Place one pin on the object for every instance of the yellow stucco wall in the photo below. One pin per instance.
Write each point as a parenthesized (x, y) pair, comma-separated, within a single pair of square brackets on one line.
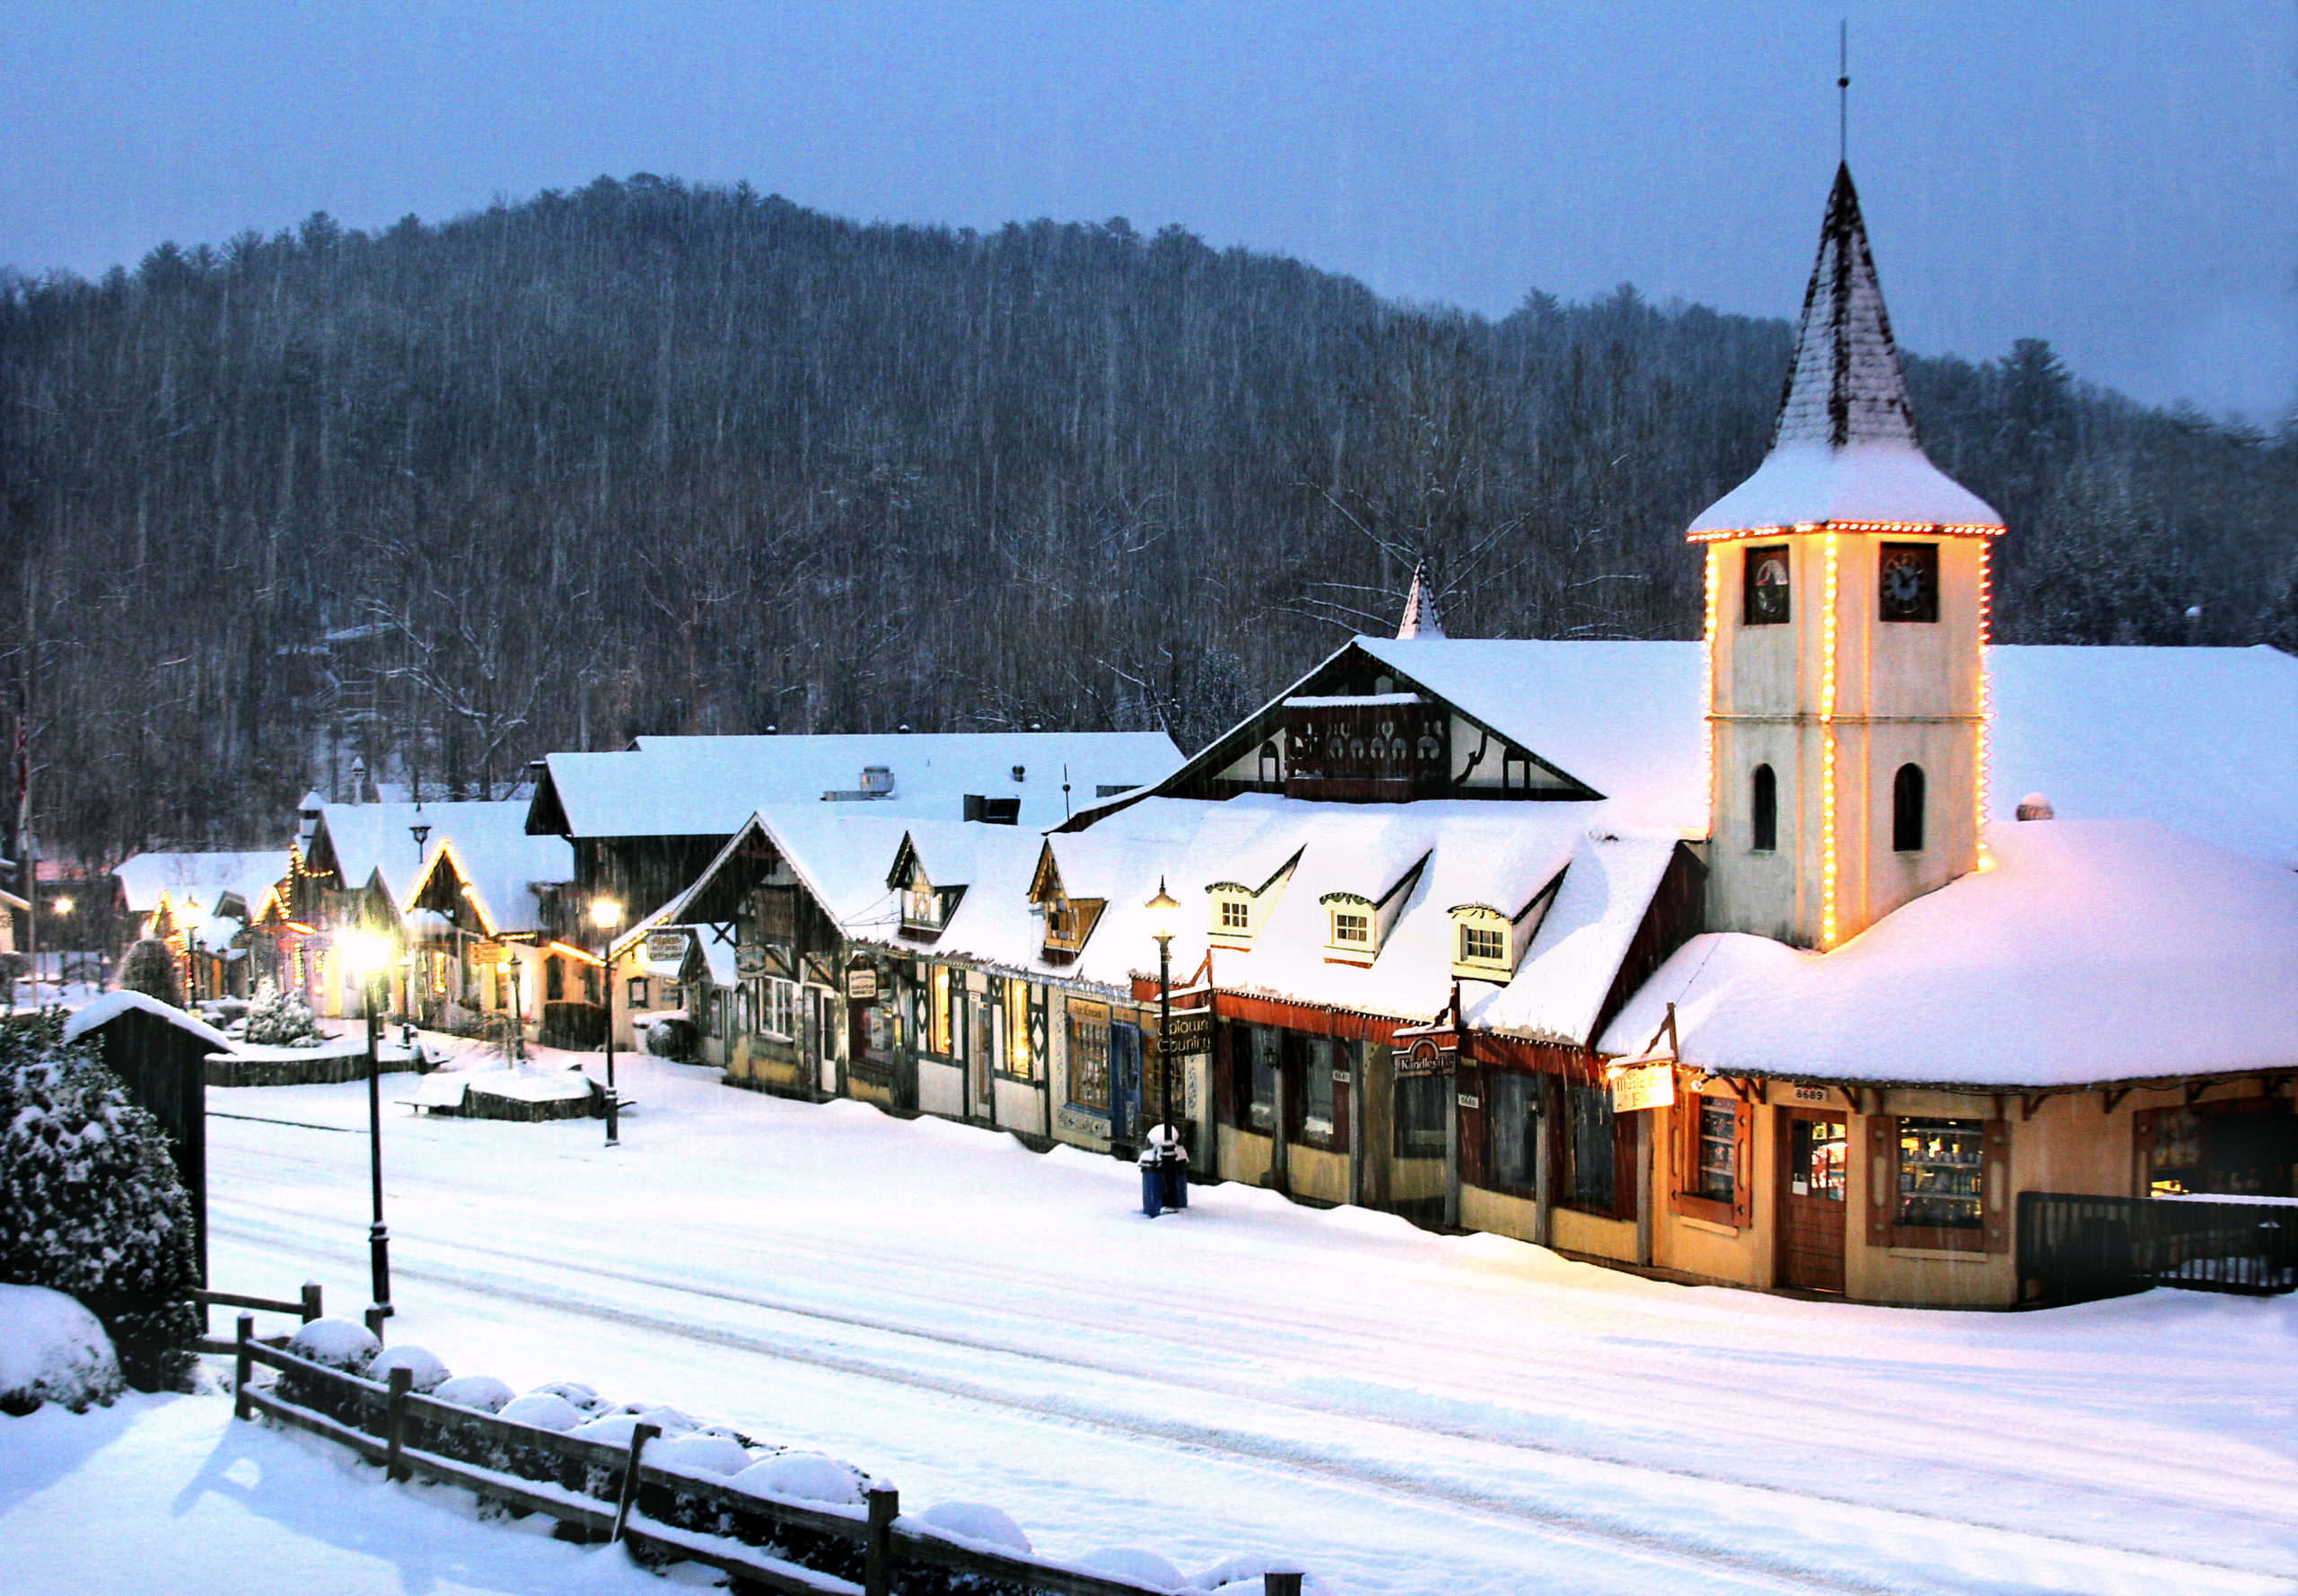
[(1244, 1156), (1316, 1173)]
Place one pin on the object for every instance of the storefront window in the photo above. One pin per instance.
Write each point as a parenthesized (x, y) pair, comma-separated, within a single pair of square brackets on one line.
[(1511, 1117), (1421, 1101), (1316, 1097), (1940, 1173), (1719, 1149), (1018, 1059), (1268, 1058), (1089, 1061), (938, 1014)]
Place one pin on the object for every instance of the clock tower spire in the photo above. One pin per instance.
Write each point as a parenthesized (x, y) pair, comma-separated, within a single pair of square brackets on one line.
[(1846, 636)]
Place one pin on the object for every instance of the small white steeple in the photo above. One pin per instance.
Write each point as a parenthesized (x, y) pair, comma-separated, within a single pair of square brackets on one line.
[(1420, 607)]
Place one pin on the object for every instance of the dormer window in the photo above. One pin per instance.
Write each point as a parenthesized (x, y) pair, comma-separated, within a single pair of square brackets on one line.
[(1483, 944), (1352, 928), (1236, 915), (921, 907)]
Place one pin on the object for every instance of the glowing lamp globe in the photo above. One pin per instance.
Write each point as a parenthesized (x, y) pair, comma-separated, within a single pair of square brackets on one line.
[(1164, 914), (605, 914), (63, 906), (365, 953)]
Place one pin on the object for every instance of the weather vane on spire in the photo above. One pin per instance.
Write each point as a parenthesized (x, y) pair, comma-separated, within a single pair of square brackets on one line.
[(1843, 91)]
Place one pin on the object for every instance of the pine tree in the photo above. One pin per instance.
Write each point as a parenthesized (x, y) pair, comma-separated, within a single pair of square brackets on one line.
[(90, 1201), (277, 1019), (150, 968)]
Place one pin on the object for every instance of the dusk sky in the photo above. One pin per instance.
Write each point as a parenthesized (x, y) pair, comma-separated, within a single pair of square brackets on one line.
[(2116, 177)]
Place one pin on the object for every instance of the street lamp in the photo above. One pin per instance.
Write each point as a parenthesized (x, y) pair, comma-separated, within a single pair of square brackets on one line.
[(367, 954), (1164, 923), (62, 907), (605, 914)]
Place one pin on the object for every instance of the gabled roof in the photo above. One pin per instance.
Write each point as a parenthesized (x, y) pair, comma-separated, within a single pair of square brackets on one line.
[(199, 878), (365, 843), (1420, 618), (708, 787), (489, 850), (1845, 448), (2093, 951)]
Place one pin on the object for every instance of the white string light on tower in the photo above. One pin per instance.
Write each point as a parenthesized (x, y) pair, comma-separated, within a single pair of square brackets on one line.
[(1827, 753)]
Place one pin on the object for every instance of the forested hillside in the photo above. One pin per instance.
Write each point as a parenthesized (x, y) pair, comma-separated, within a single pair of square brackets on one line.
[(652, 458)]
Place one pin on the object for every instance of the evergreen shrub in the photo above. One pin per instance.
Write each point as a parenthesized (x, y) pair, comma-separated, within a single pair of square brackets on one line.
[(90, 1201)]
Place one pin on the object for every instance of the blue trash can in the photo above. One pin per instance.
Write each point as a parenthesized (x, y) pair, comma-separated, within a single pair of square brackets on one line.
[(1153, 1182)]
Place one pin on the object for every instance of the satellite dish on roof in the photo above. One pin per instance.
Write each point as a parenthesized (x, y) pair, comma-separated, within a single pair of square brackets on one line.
[(2034, 806)]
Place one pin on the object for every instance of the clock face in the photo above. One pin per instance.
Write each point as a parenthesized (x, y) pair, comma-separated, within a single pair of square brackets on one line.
[(1909, 581), (1766, 600)]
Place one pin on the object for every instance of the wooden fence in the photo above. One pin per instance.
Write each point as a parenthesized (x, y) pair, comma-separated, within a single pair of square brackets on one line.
[(606, 1493)]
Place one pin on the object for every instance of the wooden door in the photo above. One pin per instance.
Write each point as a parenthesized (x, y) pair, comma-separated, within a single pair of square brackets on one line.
[(1812, 1168), (1125, 1081)]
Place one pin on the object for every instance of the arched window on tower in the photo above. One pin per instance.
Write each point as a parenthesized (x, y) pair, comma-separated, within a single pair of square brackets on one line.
[(1763, 810), (1907, 809)]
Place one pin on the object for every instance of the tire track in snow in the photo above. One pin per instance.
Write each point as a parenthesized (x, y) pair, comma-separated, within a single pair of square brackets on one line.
[(1584, 1529)]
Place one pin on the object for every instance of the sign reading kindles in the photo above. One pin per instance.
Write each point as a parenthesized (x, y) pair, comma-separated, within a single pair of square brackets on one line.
[(1643, 1085), (665, 947), (1424, 1058)]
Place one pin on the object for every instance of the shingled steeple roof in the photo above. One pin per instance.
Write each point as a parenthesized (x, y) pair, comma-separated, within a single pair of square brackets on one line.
[(1846, 448), (1420, 618), (1845, 386)]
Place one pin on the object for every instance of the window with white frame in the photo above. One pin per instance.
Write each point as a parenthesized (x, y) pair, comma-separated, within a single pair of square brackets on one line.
[(777, 1014), (1352, 928), (1236, 915), (1483, 944)]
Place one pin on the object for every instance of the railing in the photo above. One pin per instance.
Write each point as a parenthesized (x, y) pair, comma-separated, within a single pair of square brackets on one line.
[(608, 1493), (306, 1306), (2076, 1248)]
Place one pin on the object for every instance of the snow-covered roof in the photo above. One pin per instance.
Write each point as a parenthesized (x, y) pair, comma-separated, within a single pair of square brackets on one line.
[(708, 787), (1558, 991), (490, 847), (2093, 951), (1444, 853), (1846, 448), (1623, 717), (490, 839), (2204, 741), (103, 1010), (199, 878)]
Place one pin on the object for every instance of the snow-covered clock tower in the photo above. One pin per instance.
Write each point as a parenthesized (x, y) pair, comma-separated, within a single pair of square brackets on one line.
[(1846, 637)]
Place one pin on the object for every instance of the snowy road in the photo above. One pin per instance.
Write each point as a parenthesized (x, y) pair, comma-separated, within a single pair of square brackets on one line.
[(1398, 1411)]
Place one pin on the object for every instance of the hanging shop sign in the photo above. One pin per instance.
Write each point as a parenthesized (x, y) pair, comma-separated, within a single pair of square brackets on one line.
[(665, 947), (1426, 1058), (1642, 1084), (750, 962), (861, 981), (1192, 1032)]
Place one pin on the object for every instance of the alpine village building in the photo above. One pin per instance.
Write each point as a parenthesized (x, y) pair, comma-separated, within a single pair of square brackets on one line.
[(1730, 961)]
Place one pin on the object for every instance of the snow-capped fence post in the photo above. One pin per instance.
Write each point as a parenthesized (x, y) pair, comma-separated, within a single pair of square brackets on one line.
[(1273, 1583), (640, 1434), (244, 1369), (312, 1308), (878, 1551), (402, 1382)]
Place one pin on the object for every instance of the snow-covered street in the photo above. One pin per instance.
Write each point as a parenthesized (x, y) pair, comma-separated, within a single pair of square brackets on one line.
[(1399, 1411)]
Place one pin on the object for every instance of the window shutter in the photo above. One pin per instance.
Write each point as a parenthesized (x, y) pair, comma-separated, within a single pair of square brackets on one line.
[(1743, 1186), (1882, 1174), (1468, 1081), (1994, 1186)]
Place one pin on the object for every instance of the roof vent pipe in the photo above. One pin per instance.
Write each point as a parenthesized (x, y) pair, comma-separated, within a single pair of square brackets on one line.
[(2034, 806)]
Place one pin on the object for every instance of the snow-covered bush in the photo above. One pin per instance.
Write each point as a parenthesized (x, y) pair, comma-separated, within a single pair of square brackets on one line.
[(1136, 1564), (698, 1454), (426, 1371), (342, 1344), (90, 1201), (52, 1350), (277, 1019), (671, 1036), (545, 1410), (804, 1477), (482, 1394), (978, 1521), (149, 967)]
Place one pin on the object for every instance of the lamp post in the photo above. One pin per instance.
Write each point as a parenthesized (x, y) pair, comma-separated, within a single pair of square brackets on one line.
[(62, 909), (1164, 921), (605, 914), (368, 954)]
